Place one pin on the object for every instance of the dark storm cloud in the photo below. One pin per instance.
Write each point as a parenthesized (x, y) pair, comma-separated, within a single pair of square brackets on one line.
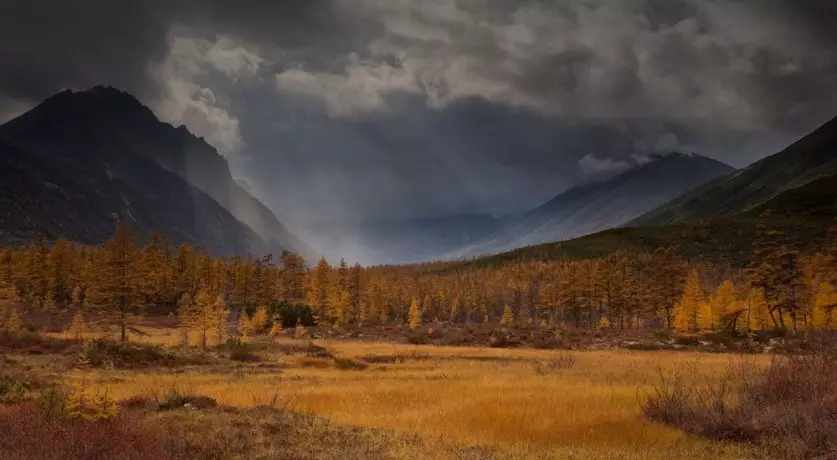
[(426, 107), (46, 45)]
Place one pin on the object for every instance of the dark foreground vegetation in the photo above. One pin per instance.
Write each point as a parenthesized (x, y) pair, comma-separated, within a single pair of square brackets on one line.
[(790, 407)]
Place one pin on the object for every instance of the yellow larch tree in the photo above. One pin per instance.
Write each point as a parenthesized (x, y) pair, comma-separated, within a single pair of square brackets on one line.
[(723, 304), (116, 292), (77, 326), (415, 315), (259, 319), (603, 323), (689, 312), (759, 314), (245, 326), (203, 315), (824, 308), (508, 316), (13, 325)]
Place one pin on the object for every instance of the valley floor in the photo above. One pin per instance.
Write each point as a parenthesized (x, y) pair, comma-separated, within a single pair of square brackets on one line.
[(351, 399)]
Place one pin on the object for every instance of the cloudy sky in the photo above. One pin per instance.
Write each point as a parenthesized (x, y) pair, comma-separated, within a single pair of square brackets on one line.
[(339, 109)]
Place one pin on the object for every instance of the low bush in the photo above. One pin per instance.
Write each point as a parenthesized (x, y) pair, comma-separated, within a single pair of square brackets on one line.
[(237, 350), (129, 355), (34, 343), (27, 435), (498, 339), (345, 364), (791, 406), (176, 399), (559, 362)]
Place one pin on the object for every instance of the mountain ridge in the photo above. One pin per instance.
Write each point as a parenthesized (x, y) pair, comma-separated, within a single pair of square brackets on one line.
[(811, 157), (106, 129), (592, 207)]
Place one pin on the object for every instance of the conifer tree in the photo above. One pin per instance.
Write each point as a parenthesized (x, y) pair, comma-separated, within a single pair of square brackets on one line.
[(116, 292), (203, 314), (508, 316), (824, 304), (77, 326), (245, 326), (705, 317), (259, 319), (604, 323), (415, 315), (222, 333), (77, 298), (760, 318), (13, 325), (723, 304), (689, 314)]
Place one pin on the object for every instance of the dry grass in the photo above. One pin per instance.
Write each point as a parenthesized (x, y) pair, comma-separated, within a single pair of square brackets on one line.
[(465, 396)]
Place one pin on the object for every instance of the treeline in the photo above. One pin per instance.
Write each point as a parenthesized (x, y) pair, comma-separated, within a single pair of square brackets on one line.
[(781, 289)]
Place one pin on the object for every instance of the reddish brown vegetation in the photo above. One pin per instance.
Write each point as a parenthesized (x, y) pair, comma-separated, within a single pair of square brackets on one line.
[(27, 436), (791, 406)]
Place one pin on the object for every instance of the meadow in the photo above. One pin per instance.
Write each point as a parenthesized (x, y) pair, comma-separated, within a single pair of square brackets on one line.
[(418, 401)]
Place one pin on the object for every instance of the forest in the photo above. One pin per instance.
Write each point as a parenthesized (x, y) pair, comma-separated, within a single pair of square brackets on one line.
[(124, 279)]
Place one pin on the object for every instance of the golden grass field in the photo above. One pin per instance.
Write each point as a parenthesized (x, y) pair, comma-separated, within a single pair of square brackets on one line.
[(466, 396)]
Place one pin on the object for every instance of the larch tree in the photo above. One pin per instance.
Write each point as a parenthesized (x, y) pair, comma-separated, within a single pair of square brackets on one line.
[(77, 326), (824, 308), (259, 319), (13, 325), (320, 290), (203, 315), (688, 314), (116, 292), (245, 326), (723, 304), (508, 316), (415, 319)]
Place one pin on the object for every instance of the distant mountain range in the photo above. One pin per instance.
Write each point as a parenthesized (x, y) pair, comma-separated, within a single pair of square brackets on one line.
[(81, 161), (598, 206), (793, 191)]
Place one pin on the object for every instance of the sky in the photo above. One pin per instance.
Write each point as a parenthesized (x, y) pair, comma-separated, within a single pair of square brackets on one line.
[(335, 110)]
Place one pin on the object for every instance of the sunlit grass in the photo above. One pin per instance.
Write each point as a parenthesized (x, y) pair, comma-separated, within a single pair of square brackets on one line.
[(474, 396)]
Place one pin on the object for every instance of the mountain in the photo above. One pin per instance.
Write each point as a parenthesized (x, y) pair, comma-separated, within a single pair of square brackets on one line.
[(594, 207), (793, 192), (79, 161), (400, 241), (812, 158)]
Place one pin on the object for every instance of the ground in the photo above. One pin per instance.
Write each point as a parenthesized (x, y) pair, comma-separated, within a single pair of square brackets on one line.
[(356, 399)]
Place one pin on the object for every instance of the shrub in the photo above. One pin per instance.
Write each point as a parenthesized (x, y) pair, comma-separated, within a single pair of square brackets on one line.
[(791, 406), (128, 355), (176, 399), (127, 437), (345, 364), (498, 339), (33, 343), (558, 362), (240, 351)]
